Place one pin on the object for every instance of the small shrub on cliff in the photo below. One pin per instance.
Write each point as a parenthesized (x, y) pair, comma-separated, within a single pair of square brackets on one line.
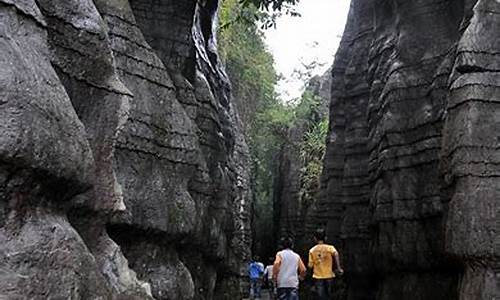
[(312, 149)]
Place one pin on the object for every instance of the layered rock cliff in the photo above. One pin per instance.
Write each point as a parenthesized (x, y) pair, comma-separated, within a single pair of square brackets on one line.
[(122, 163), (411, 182)]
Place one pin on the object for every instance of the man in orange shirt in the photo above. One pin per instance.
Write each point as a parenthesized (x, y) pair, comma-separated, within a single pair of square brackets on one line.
[(321, 259)]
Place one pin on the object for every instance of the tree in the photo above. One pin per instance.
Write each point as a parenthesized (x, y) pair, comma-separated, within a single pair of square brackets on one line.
[(264, 12), (270, 5)]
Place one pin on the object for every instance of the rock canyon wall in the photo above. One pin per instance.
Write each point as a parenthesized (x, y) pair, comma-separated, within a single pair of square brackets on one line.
[(122, 163), (411, 182)]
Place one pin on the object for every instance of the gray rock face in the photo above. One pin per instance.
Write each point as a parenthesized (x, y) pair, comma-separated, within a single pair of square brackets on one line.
[(122, 163), (411, 183)]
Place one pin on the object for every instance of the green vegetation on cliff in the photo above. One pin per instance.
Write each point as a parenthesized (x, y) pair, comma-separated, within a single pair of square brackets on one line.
[(313, 144), (265, 117)]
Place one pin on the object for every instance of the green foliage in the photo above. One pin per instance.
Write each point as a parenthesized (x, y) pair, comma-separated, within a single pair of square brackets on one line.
[(266, 118), (264, 12), (312, 149), (313, 144), (308, 105), (275, 5), (247, 61), (250, 67)]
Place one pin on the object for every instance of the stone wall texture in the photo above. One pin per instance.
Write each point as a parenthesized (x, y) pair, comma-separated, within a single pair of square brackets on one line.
[(123, 168), (411, 181)]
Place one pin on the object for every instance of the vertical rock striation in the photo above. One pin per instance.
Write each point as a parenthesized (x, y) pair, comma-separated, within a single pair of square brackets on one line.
[(122, 162), (411, 188)]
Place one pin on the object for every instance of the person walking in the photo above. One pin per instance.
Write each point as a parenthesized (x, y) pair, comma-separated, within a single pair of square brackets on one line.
[(255, 271), (288, 268), (268, 277), (322, 258)]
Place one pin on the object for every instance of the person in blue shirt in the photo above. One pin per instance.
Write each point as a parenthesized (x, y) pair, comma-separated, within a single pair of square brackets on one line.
[(255, 271)]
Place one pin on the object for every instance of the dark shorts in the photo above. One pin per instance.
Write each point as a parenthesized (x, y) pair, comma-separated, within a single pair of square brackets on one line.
[(288, 294), (323, 288)]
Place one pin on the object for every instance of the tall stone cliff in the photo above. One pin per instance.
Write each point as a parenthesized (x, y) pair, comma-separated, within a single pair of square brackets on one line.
[(122, 163), (411, 182)]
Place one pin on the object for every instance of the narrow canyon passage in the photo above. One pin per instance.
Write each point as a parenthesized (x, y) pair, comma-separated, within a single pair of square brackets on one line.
[(145, 152)]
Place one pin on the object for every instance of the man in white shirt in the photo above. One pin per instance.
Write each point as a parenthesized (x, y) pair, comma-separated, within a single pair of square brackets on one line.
[(287, 269)]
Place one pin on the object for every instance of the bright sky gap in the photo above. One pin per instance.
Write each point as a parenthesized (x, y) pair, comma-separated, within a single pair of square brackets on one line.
[(312, 38)]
